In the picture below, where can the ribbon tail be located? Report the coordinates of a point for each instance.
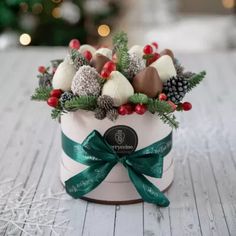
(87, 180)
(149, 192)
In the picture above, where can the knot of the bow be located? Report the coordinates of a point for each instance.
(122, 160)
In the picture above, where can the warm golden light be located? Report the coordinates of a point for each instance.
(104, 30)
(56, 1)
(56, 12)
(25, 39)
(228, 4)
(24, 6)
(37, 8)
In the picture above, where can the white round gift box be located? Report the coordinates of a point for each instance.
(117, 187)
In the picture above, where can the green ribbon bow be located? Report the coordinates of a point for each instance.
(100, 158)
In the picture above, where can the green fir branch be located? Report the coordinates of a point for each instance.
(164, 111)
(169, 119)
(120, 38)
(195, 80)
(41, 94)
(161, 107)
(57, 113)
(120, 43)
(139, 98)
(83, 102)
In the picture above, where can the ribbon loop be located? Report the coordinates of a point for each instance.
(96, 153)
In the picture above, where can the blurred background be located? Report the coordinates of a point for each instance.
(183, 25)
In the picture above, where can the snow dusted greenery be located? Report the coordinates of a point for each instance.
(24, 213)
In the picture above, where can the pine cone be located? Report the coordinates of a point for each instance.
(179, 68)
(105, 102)
(100, 113)
(175, 89)
(112, 114)
(45, 80)
(188, 75)
(66, 96)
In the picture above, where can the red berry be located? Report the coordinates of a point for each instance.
(162, 97)
(154, 57)
(110, 66)
(148, 49)
(140, 109)
(88, 55)
(74, 44)
(122, 110)
(56, 93)
(129, 108)
(187, 106)
(105, 73)
(155, 44)
(52, 101)
(42, 69)
(172, 105)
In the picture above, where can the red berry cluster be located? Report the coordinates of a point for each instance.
(128, 109)
(88, 55)
(150, 51)
(74, 44)
(54, 97)
(107, 69)
(42, 69)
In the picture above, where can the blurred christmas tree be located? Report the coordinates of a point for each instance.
(55, 22)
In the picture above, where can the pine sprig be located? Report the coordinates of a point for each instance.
(164, 111)
(82, 102)
(195, 80)
(57, 113)
(120, 38)
(41, 94)
(169, 119)
(161, 107)
(120, 43)
(139, 98)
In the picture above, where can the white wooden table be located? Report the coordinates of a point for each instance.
(203, 194)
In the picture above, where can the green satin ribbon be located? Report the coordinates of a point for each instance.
(100, 158)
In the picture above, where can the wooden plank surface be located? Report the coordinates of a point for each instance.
(203, 194)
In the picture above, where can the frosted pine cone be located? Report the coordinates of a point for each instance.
(99, 113)
(112, 114)
(86, 82)
(175, 89)
(66, 96)
(106, 102)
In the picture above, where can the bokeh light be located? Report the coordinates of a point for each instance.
(104, 30)
(25, 39)
(228, 4)
(37, 8)
(57, 1)
(24, 6)
(56, 12)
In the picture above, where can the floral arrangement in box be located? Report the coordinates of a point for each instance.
(117, 82)
(106, 156)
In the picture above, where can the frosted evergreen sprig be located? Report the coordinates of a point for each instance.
(82, 102)
(120, 42)
(195, 80)
(139, 98)
(41, 94)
